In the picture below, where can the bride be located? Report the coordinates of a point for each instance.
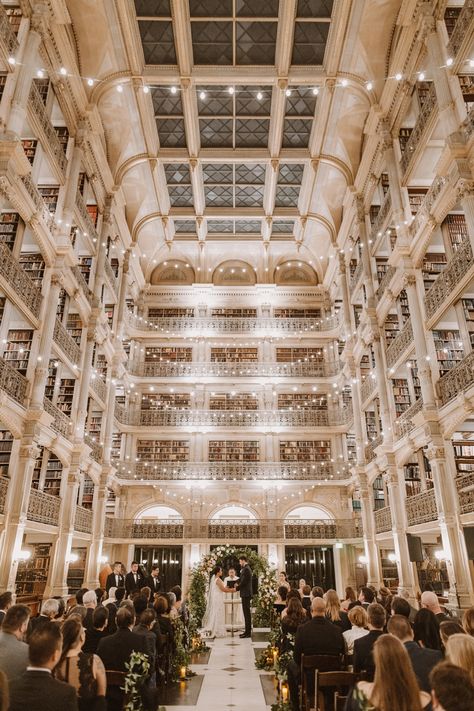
(213, 622)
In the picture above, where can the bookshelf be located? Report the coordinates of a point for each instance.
(416, 195)
(239, 401)
(63, 136)
(76, 570)
(85, 266)
(9, 222)
(36, 480)
(403, 137)
(155, 312)
(50, 195)
(32, 574)
(357, 309)
(109, 313)
(433, 264)
(110, 503)
(74, 327)
(451, 15)
(53, 475)
(66, 395)
(401, 395)
(298, 355)
(385, 183)
(17, 350)
(391, 328)
(169, 354)
(116, 449)
(3, 301)
(381, 266)
(63, 296)
(81, 183)
(457, 229)
(351, 447)
(6, 444)
(371, 424)
(373, 212)
(468, 309)
(233, 313)
(33, 264)
(29, 146)
(87, 496)
(94, 424)
(234, 451)
(404, 308)
(413, 370)
(378, 493)
(364, 366)
(466, 82)
(51, 379)
(449, 349)
(305, 450)
(14, 15)
(302, 401)
(464, 456)
(165, 401)
(100, 364)
(93, 211)
(411, 472)
(3, 82)
(43, 87)
(297, 313)
(230, 354)
(169, 450)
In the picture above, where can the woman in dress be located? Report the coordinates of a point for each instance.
(460, 651)
(283, 580)
(359, 621)
(213, 622)
(426, 630)
(334, 612)
(350, 596)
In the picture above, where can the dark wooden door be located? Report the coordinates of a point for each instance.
(315, 564)
(169, 559)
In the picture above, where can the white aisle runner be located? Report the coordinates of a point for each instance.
(231, 682)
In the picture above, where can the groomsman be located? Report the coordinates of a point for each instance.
(244, 586)
(134, 580)
(153, 581)
(115, 579)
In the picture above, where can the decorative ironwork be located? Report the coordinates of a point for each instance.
(460, 31)
(469, 124)
(387, 278)
(466, 501)
(426, 112)
(12, 382)
(66, 343)
(464, 481)
(231, 471)
(95, 447)
(83, 520)
(400, 344)
(7, 36)
(367, 388)
(36, 197)
(383, 520)
(85, 217)
(83, 284)
(404, 423)
(371, 447)
(43, 508)
(356, 276)
(382, 215)
(3, 492)
(448, 280)
(109, 273)
(16, 277)
(61, 422)
(99, 387)
(457, 380)
(421, 508)
(51, 139)
(430, 198)
(165, 370)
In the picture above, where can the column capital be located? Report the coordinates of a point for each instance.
(426, 19)
(359, 206)
(29, 451)
(435, 451)
(342, 263)
(40, 18)
(464, 188)
(386, 138)
(409, 280)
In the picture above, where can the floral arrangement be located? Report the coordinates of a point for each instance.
(266, 660)
(281, 706)
(181, 656)
(137, 667)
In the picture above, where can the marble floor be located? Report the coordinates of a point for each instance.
(230, 679)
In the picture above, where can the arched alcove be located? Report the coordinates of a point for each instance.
(295, 273)
(308, 512)
(160, 512)
(234, 272)
(232, 511)
(173, 272)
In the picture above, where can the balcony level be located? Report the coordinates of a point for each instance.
(208, 371)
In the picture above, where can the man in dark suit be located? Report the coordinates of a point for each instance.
(363, 659)
(134, 580)
(115, 579)
(115, 651)
(318, 636)
(6, 601)
(422, 659)
(36, 689)
(245, 588)
(49, 610)
(153, 581)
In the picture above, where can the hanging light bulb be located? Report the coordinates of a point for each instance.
(231, 90)
(90, 82)
(173, 90)
(63, 71)
(315, 91)
(146, 89)
(369, 86)
(288, 92)
(421, 76)
(259, 95)
(202, 95)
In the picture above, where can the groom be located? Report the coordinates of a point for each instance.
(244, 586)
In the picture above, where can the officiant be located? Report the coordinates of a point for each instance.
(234, 617)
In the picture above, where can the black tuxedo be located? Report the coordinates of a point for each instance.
(245, 589)
(363, 659)
(111, 581)
(115, 651)
(38, 690)
(153, 583)
(132, 586)
(423, 660)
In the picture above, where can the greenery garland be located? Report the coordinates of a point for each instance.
(137, 667)
(262, 601)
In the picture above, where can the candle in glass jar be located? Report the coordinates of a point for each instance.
(275, 655)
(284, 692)
(183, 672)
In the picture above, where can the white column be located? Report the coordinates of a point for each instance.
(94, 551)
(26, 72)
(374, 572)
(419, 337)
(57, 577)
(41, 371)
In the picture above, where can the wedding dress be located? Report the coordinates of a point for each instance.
(213, 622)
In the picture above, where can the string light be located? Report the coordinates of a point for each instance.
(173, 90)
(12, 61)
(288, 92)
(369, 86)
(315, 91)
(398, 76)
(259, 95)
(146, 89)
(421, 76)
(231, 90)
(119, 88)
(449, 61)
(40, 74)
(90, 81)
(202, 95)
(63, 71)
(344, 82)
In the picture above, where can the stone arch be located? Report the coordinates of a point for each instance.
(320, 512)
(212, 516)
(295, 272)
(174, 272)
(234, 272)
(154, 509)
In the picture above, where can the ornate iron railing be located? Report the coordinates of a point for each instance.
(400, 344)
(426, 111)
(367, 388)
(16, 277)
(215, 369)
(464, 481)
(231, 471)
(66, 343)
(83, 284)
(7, 35)
(95, 447)
(36, 197)
(404, 423)
(371, 447)
(460, 28)
(86, 219)
(430, 198)
(109, 273)
(456, 380)
(12, 382)
(469, 124)
(383, 520)
(382, 216)
(466, 501)
(355, 278)
(61, 422)
(421, 508)
(3, 492)
(449, 278)
(83, 520)
(51, 139)
(43, 508)
(386, 279)
(99, 387)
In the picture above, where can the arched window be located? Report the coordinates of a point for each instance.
(160, 513)
(174, 272)
(309, 512)
(231, 512)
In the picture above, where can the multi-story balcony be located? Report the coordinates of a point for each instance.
(17, 284)
(234, 529)
(83, 520)
(400, 345)
(83, 285)
(136, 472)
(356, 277)
(8, 42)
(463, 30)
(381, 221)
(424, 122)
(66, 343)
(215, 369)
(235, 418)
(421, 508)
(43, 508)
(61, 422)
(466, 501)
(367, 388)
(456, 380)
(43, 127)
(383, 520)
(85, 220)
(186, 325)
(99, 387)
(12, 382)
(387, 278)
(95, 447)
(371, 447)
(404, 424)
(422, 218)
(450, 283)
(111, 278)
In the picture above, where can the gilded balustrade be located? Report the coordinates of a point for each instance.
(466, 501)
(85, 217)
(110, 274)
(456, 380)
(66, 343)
(217, 369)
(400, 344)
(460, 31)
(404, 424)
(386, 279)
(422, 121)
(355, 278)
(367, 388)
(95, 447)
(61, 422)
(446, 283)
(371, 447)
(21, 283)
(83, 520)
(383, 520)
(382, 216)
(50, 138)
(43, 508)
(8, 37)
(421, 508)
(235, 418)
(3, 492)
(99, 387)
(83, 284)
(12, 382)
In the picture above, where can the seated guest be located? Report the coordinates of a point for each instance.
(363, 659)
(163, 623)
(80, 596)
(359, 621)
(115, 651)
(334, 612)
(36, 689)
(140, 604)
(349, 596)
(283, 581)
(317, 592)
(145, 629)
(49, 610)
(100, 595)
(134, 580)
(400, 606)
(468, 621)
(4, 698)
(318, 636)
(77, 611)
(90, 603)
(366, 597)
(430, 601)
(99, 630)
(460, 651)
(6, 601)
(113, 606)
(13, 650)
(306, 599)
(83, 671)
(448, 628)
(426, 630)
(422, 660)
(291, 595)
(115, 578)
(172, 611)
(451, 688)
(296, 616)
(394, 687)
(384, 598)
(146, 593)
(61, 616)
(301, 585)
(280, 600)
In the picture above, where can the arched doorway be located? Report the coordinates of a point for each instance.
(168, 557)
(234, 521)
(313, 563)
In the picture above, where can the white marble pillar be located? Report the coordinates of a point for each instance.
(94, 551)
(374, 571)
(59, 564)
(26, 72)
(421, 350)
(46, 342)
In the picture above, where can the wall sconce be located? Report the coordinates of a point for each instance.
(72, 558)
(23, 555)
(392, 557)
(363, 559)
(440, 555)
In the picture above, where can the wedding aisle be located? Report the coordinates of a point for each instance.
(230, 679)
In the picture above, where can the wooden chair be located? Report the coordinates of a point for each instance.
(115, 683)
(337, 680)
(339, 702)
(309, 664)
(115, 678)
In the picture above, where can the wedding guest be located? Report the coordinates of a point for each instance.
(349, 596)
(451, 688)
(295, 616)
(430, 601)
(146, 593)
(61, 615)
(134, 580)
(306, 599)
(460, 651)
(178, 593)
(426, 630)
(291, 594)
(115, 578)
(363, 657)
(162, 618)
(153, 581)
(448, 628)
(80, 596)
(139, 605)
(283, 581)
(468, 621)
(359, 621)
(100, 595)
(394, 687)
(317, 591)
(112, 605)
(90, 603)
(6, 601)
(366, 597)
(422, 660)
(400, 606)
(82, 670)
(77, 611)
(172, 611)
(144, 628)
(13, 650)
(385, 598)
(98, 631)
(36, 689)
(280, 600)
(49, 610)
(4, 697)
(334, 612)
